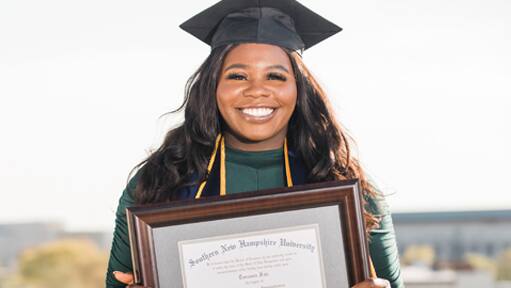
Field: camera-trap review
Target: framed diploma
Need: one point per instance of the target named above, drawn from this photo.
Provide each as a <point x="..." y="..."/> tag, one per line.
<point x="306" y="236"/>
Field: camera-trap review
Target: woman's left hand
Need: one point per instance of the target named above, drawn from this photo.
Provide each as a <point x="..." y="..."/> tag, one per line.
<point x="373" y="283"/>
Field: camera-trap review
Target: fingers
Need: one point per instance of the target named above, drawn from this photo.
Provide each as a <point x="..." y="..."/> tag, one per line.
<point x="383" y="283"/>
<point x="373" y="283"/>
<point x="126" y="278"/>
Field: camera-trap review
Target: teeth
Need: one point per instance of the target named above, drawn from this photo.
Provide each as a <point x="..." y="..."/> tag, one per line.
<point x="257" y="112"/>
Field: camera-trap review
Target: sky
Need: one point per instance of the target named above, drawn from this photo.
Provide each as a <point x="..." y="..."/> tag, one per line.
<point x="423" y="87"/>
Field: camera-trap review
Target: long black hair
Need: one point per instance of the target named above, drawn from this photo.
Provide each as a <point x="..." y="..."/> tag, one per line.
<point x="313" y="134"/>
<point x="186" y="149"/>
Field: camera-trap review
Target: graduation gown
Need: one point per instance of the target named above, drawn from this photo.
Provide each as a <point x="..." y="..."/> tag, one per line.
<point x="382" y="245"/>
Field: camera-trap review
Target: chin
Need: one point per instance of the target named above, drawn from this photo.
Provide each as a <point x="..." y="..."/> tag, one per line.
<point x="255" y="137"/>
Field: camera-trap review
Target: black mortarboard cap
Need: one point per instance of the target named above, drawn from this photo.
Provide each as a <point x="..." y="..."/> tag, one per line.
<point x="285" y="23"/>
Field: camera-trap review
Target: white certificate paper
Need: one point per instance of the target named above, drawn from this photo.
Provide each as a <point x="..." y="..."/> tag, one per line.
<point x="277" y="258"/>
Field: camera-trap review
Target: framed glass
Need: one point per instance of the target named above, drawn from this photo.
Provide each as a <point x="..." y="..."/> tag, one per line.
<point x="305" y="236"/>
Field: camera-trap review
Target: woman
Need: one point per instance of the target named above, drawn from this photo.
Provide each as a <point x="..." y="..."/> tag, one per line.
<point x="253" y="103"/>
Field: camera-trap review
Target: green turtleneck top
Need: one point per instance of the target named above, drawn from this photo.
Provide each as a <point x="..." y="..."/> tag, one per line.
<point x="254" y="170"/>
<point x="258" y="171"/>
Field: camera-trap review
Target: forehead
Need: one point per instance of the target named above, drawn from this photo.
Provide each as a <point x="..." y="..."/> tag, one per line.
<point x="257" y="54"/>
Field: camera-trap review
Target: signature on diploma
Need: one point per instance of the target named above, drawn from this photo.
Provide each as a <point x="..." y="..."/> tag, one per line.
<point x="253" y="275"/>
<point x="254" y="278"/>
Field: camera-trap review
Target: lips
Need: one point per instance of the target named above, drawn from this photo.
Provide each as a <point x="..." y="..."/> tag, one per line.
<point x="257" y="111"/>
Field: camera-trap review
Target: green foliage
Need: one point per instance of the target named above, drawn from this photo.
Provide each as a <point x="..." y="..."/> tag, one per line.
<point x="482" y="262"/>
<point x="504" y="265"/>
<point x="64" y="263"/>
<point x="419" y="254"/>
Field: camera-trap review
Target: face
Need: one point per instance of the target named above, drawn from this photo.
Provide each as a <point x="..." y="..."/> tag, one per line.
<point x="256" y="96"/>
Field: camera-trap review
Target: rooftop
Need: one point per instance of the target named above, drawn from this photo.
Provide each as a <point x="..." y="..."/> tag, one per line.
<point x="455" y="216"/>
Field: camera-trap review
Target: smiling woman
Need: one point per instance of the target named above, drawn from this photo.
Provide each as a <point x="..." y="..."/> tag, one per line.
<point x="256" y="96"/>
<point x="255" y="119"/>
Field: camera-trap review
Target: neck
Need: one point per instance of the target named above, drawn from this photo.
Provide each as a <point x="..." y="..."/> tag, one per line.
<point x="237" y="143"/>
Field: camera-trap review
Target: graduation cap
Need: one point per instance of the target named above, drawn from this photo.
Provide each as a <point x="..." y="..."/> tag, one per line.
<point x="285" y="23"/>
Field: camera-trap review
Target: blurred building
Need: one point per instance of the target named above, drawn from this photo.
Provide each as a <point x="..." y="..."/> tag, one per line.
<point x="453" y="234"/>
<point x="423" y="277"/>
<point x="14" y="238"/>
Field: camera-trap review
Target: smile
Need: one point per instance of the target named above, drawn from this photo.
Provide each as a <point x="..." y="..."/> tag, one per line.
<point x="260" y="112"/>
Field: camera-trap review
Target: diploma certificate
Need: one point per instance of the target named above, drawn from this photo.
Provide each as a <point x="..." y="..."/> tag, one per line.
<point x="277" y="258"/>
<point x="307" y="236"/>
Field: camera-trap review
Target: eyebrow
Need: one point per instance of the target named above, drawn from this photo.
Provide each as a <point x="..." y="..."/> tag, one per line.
<point x="238" y="65"/>
<point x="280" y="67"/>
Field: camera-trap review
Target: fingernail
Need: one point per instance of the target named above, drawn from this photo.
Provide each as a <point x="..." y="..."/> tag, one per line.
<point x="115" y="272"/>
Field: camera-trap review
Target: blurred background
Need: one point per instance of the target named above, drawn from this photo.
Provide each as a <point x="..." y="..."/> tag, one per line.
<point x="422" y="86"/>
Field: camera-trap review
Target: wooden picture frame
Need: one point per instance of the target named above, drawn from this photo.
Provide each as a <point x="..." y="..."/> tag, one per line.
<point x="334" y="207"/>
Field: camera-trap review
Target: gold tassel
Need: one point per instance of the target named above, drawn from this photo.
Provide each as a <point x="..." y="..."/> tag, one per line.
<point x="286" y="163"/>
<point x="210" y="165"/>
<point x="372" y="271"/>
<point x="222" y="168"/>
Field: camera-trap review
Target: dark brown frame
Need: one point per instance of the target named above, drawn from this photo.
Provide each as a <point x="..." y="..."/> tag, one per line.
<point x="345" y="194"/>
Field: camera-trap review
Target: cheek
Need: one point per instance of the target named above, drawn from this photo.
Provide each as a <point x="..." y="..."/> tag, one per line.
<point x="289" y="97"/>
<point x="224" y="99"/>
<point x="220" y="97"/>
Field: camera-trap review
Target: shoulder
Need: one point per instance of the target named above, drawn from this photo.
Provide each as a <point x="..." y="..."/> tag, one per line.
<point x="128" y="198"/>
<point x="376" y="205"/>
<point x="128" y="194"/>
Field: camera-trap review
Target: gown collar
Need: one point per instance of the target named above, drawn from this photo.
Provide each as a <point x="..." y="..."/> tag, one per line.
<point x="214" y="184"/>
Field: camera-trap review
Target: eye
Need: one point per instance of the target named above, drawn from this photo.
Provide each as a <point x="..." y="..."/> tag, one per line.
<point x="276" y="76"/>
<point x="236" y="76"/>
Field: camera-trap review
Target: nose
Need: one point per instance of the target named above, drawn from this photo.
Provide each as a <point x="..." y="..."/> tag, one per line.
<point x="256" y="88"/>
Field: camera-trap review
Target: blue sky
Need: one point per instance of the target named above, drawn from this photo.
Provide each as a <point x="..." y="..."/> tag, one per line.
<point x="422" y="86"/>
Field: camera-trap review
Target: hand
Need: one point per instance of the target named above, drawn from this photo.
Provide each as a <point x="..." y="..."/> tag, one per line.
<point x="373" y="283"/>
<point x="127" y="278"/>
